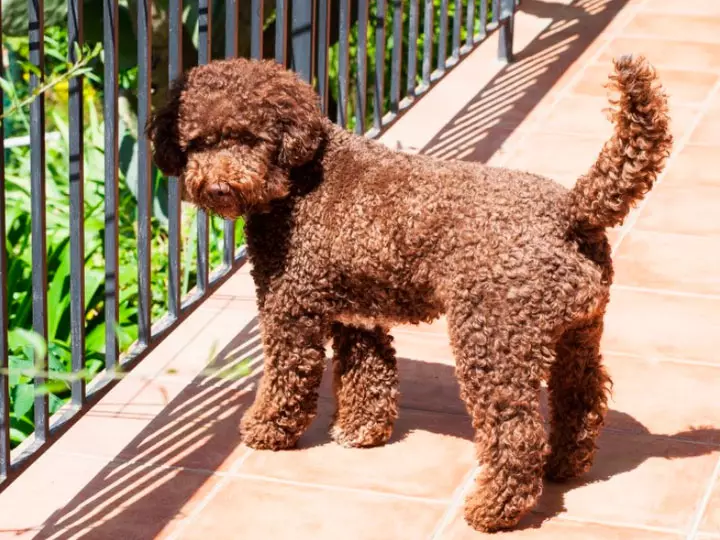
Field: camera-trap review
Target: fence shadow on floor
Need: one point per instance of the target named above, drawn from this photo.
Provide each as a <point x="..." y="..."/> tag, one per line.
<point x="197" y="432"/>
<point x="479" y="130"/>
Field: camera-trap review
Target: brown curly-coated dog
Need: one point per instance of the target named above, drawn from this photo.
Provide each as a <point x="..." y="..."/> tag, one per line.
<point x="348" y="238"/>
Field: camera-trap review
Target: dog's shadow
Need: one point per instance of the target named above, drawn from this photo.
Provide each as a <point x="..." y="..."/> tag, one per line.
<point x="197" y="433"/>
<point x="624" y="445"/>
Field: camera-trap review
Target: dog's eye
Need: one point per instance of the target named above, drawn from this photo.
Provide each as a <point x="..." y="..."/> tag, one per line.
<point x="245" y="138"/>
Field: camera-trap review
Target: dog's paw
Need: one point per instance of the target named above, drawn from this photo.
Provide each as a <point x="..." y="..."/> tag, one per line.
<point x="364" y="436"/>
<point x="483" y="516"/>
<point x="264" y="435"/>
<point x="493" y="506"/>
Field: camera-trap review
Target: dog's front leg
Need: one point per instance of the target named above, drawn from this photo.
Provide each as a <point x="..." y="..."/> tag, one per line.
<point x="286" y="401"/>
<point x="365" y="380"/>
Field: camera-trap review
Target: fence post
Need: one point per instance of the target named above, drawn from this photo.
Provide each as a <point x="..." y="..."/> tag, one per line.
<point x="301" y="38"/>
<point x="506" y="20"/>
<point x="4" y="361"/>
<point x="36" y="26"/>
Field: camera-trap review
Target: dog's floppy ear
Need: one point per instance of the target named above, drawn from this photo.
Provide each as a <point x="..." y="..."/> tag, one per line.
<point x="302" y="122"/>
<point x="162" y="129"/>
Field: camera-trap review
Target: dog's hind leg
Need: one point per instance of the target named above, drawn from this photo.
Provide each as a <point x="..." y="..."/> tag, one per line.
<point x="500" y="375"/>
<point x="286" y="401"/>
<point x="578" y="388"/>
<point x="365" y="380"/>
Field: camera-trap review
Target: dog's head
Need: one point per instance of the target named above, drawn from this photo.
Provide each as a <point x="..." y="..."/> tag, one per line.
<point x="232" y="131"/>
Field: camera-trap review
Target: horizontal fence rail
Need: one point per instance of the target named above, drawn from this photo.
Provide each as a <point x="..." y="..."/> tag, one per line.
<point x="100" y="260"/>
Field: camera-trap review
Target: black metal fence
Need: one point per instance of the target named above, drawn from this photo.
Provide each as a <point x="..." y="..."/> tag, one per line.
<point x="337" y="44"/>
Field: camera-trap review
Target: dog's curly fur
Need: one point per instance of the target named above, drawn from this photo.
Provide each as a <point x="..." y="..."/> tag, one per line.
<point x="348" y="238"/>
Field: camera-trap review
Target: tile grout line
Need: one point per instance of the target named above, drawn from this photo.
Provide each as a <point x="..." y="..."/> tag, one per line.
<point x="661" y="359"/>
<point x="666" y="292"/>
<point x="535" y="125"/>
<point x="455" y="503"/>
<point x="653" y="358"/>
<point x="704" y="503"/>
<point x="341" y="489"/>
<point x="682" y="144"/>
<point x="655" y="37"/>
<point x="234" y="473"/>
<point x="618" y="524"/>
<point x="185" y="523"/>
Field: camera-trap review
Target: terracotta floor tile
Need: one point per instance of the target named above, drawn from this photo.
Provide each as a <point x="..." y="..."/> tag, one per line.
<point x="585" y="115"/>
<point x="708" y="130"/>
<point x="193" y="425"/>
<point x="581" y="114"/>
<point x="669" y="261"/>
<point x="684" y="87"/>
<point x="532" y="528"/>
<point x="676" y="54"/>
<point x="654" y="324"/>
<point x="430" y="347"/>
<point x="253" y="509"/>
<point x="694" y="7"/>
<point x="42" y="490"/>
<point x="557" y="155"/>
<point x="430" y="386"/>
<point x="439" y="444"/>
<point x="694" y="166"/>
<point x="637" y="479"/>
<point x="711" y="520"/>
<point x="128" y="502"/>
<point x="239" y="285"/>
<point x="682" y="209"/>
<point x="663" y="398"/>
<point x="675" y="26"/>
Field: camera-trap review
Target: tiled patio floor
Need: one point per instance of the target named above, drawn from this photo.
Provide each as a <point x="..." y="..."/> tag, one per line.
<point x="160" y="456"/>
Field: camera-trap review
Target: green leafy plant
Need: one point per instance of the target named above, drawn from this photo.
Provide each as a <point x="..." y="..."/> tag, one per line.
<point x="22" y="347"/>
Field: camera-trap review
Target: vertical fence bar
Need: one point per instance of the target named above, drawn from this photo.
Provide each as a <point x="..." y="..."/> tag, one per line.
<point x="323" y="48"/>
<point x="256" y="26"/>
<point x="77" y="209"/>
<point x="428" y="42"/>
<point x="414" y="22"/>
<point x="507" y="24"/>
<point x="343" y="62"/>
<point x="396" y="61"/>
<point x="457" y="27"/>
<point x="175" y="29"/>
<point x="203" y="223"/>
<point x="361" y="82"/>
<point x="495" y="10"/>
<point x="379" y="65"/>
<point x="301" y="38"/>
<point x="442" y="46"/>
<point x="4" y="363"/>
<point x="144" y="59"/>
<point x="470" y="23"/>
<point x="232" y="16"/>
<point x="483" y="19"/>
<point x="110" y="46"/>
<point x="281" y="16"/>
<point x="36" y="23"/>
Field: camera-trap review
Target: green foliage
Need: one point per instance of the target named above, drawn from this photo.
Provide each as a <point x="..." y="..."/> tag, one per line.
<point x="24" y="348"/>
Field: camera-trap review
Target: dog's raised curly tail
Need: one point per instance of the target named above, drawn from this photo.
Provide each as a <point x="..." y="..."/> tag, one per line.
<point x="632" y="159"/>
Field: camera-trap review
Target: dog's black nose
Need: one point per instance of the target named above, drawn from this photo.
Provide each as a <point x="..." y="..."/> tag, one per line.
<point x="218" y="190"/>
